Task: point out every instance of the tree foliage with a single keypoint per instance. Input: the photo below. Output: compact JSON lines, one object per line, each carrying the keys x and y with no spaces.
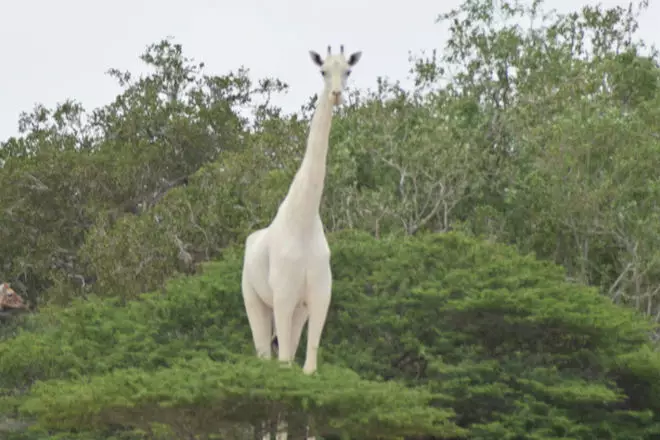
{"x":440,"y":335}
{"x":531,"y":129}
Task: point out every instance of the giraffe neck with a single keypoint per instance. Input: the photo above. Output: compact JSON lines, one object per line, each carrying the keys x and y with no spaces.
{"x":303,"y":201}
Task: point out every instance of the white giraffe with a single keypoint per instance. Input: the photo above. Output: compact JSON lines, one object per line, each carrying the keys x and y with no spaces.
{"x":286,"y":268}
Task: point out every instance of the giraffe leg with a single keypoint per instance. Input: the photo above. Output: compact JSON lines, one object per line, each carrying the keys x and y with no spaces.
{"x":260,"y":319}
{"x":300,"y":315}
{"x":287,"y":287}
{"x":318,"y":298}
{"x":283,"y":316}
{"x":298,"y":320}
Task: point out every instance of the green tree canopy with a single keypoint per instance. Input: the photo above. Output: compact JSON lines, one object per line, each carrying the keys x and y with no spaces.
{"x":446,"y":336}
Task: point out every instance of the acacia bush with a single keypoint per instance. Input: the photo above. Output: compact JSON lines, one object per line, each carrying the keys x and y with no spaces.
{"x":446,"y":336}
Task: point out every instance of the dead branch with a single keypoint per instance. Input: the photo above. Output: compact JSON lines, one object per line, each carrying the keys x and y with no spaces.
{"x":184,"y":255}
{"x":38,"y":184}
{"x":616,"y":283}
{"x":146,"y":201}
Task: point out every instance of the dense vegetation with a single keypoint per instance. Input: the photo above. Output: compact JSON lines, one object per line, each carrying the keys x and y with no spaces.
{"x":449,"y":206}
{"x":446,"y":336}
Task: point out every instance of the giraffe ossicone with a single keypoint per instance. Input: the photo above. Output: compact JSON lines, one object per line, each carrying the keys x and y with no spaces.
{"x":286,"y":279}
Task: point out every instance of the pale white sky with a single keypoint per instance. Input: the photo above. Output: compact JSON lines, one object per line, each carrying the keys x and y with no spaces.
{"x":54,"y":50}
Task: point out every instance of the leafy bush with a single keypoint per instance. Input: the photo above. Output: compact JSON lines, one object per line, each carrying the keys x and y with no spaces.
{"x":443,"y":333}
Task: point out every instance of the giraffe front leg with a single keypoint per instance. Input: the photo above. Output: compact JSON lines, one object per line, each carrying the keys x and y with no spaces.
{"x":318,"y":295}
{"x":286,"y":282}
{"x":298,"y":320}
{"x":300,"y":315}
{"x":287,"y":287}
{"x":283,"y":316}
{"x":260,"y":318}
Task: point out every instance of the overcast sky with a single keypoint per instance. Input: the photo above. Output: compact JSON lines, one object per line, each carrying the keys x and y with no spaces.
{"x":58,"y":49}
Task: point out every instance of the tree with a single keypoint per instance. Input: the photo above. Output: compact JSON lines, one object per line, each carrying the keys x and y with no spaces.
{"x":561,"y":116}
{"x":498,"y":344}
{"x":72,"y":172}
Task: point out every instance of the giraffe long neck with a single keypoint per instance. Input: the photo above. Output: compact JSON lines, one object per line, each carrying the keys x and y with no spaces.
{"x":303,"y":201}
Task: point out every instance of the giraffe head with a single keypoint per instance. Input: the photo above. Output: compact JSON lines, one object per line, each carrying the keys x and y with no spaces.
{"x":10,"y":299}
{"x":335,"y":70}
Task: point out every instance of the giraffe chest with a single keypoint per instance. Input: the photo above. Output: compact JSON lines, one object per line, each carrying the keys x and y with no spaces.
{"x":302,"y":252}
{"x":300,"y":245}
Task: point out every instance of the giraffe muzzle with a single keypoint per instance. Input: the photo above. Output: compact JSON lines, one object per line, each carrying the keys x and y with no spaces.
{"x":336,"y":97}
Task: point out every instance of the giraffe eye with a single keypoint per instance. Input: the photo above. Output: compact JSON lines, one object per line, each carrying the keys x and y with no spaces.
{"x":323,"y":73}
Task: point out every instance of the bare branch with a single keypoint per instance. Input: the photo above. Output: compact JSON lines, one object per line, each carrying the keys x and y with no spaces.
{"x":38,"y":184}
{"x":617,"y":281}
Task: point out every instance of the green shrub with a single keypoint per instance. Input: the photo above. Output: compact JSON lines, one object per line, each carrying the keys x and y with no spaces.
{"x":441,"y":332}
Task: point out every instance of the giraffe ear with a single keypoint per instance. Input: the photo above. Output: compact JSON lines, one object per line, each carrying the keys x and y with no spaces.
{"x":354,"y":58}
{"x":316,"y":58}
